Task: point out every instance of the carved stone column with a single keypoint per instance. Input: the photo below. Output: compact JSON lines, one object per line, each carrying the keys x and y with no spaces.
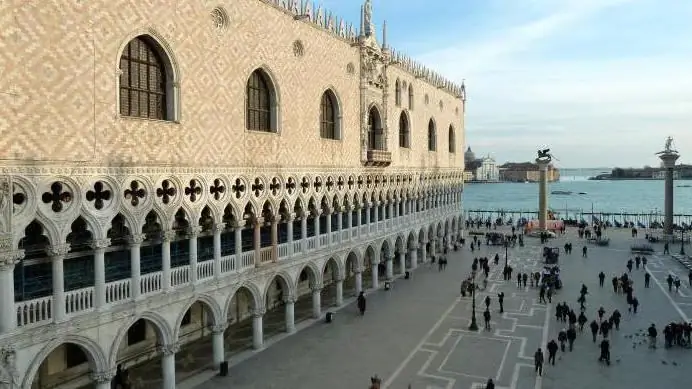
{"x":316,"y":301}
{"x":290,"y":315}
{"x":257,"y":330}
{"x":57,"y":255}
{"x":135,"y":241}
{"x":218,"y":229}
{"x":168,"y":365}
{"x":359,"y":280}
{"x":99,"y":247}
{"x":8,"y":314}
{"x":318,"y":213}
{"x":289,"y":231}
{"x":102,"y":380}
{"x":219,"y":352}
{"x":238,"y":239}
{"x":166,"y":239}
{"x":275,"y":237}
{"x":339,"y":292}
{"x":192,"y":234}
{"x":328,"y":219}
{"x":304,"y":231}
{"x":257,"y":240}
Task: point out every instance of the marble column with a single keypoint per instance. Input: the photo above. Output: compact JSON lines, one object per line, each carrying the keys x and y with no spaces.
{"x":99,"y":247}
{"x":257,"y":330}
{"x":414,"y":257}
{"x":102,"y":380}
{"x":339,"y":292}
{"x":328,"y":219}
{"x":218,"y":229}
{"x":375,"y":275}
{"x":167,"y":237}
{"x":542,"y":194}
{"x":340,"y":225}
{"x":238,"y":240}
{"x":218,"y":348}
{"x":168,"y":365}
{"x":290,"y":316}
{"x":402,"y":262}
{"x":359,"y":281}
{"x":57,"y":256}
{"x":275,"y":237}
{"x":257,"y":240}
{"x":390,"y":267}
{"x":349,"y":222}
{"x":289,"y":232}
{"x":8,"y":315}
{"x":317,"y":214}
{"x":668,"y":158}
{"x":304,"y":232}
{"x":192,"y":234}
{"x":316,"y":301}
{"x":424,"y":252}
{"x":367,"y":215}
{"x":135,"y":242}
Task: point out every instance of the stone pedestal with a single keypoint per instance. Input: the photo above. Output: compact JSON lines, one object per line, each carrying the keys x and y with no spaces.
{"x":668,"y":157}
{"x":542,"y":194}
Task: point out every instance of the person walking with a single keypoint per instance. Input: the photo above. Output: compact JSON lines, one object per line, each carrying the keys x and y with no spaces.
{"x":486,"y":317}
{"x":653,"y":333}
{"x":361,"y":303}
{"x":594,"y":329}
{"x":538,"y":361}
{"x":601,"y":279}
{"x":501,"y":301}
{"x":647,"y":280}
{"x":552,"y":351}
{"x":571,"y":337}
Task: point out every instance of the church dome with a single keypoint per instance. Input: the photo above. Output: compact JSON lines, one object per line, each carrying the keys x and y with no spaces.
{"x":469,"y":155}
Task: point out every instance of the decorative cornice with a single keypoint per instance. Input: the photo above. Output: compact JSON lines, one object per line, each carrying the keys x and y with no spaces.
{"x":303,"y":10}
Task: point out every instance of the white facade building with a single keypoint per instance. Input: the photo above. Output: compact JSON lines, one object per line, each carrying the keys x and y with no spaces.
{"x":488,"y":170}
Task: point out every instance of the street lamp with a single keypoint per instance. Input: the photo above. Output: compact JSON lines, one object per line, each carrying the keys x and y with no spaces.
{"x":474,"y":324}
{"x":682,"y":241}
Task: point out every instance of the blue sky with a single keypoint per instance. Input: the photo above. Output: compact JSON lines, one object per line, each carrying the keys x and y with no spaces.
{"x":601,"y":82}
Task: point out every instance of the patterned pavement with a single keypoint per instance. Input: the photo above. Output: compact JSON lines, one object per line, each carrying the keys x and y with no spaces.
{"x":417,"y":333}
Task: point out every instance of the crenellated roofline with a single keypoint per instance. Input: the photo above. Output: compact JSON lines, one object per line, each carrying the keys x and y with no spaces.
{"x":315,"y":14}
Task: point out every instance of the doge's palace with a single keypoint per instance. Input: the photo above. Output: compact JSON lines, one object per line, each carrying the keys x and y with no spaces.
{"x":182,"y":180}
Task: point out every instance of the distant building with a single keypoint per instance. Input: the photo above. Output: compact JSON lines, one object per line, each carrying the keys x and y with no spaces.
{"x":526,"y":172}
{"x":480,"y":169}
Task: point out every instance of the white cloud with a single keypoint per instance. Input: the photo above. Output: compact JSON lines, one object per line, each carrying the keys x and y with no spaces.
{"x":594,"y":110}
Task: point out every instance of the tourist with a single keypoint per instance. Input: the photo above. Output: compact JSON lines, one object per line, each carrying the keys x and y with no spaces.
{"x":670,"y":280}
{"x":583,"y":251}
{"x":541,"y":295}
{"x":689,"y":277}
{"x":538,"y":361}
{"x":501,"y":301}
{"x":571,"y":336}
{"x":594,"y":329}
{"x":524,"y":278}
{"x":615,"y":283}
{"x":490,"y":384}
{"x":647,"y":279}
{"x":582,"y":320}
{"x":635,"y":304}
{"x":652,"y":335}
{"x":637,"y":261}
{"x":644,"y":260}
{"x":552,"y":351}
{"x":562,"y":338}
{"x":601,"y":279}
{"x":486,"y":318}
{"x":549,"y":294}
{"x":665,"y":249}
{"x":616,"y":319}
{"x":629,"y":265}
{"x":487,"y":302}
{"x":601,"y":312}
{"x":677,"y":284}
{"x":605,"y":352}
{"x":519,"y":280}
{"x":361,"y":303}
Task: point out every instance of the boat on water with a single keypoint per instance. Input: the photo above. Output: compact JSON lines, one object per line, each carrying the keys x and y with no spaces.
{"x":561,"y":192}
{"x":582,"y":193}
{"x":684,"y":186}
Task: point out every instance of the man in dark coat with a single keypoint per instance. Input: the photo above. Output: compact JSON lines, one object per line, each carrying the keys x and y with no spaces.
{"x":538,"y":361}
{"x":594,"y":330}
{"x":571,"y":336}
{"x":552,"y":351}
{"x":361,"y":303}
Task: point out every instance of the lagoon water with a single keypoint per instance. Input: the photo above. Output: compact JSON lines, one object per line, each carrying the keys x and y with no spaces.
{"x":604,"y":196}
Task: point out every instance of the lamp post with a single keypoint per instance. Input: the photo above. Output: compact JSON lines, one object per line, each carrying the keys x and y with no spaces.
{"x":474,"y":324}
{"x":682,"y":241}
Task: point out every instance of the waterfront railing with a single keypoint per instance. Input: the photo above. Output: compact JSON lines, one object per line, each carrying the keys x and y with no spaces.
{"x":645,"y":219}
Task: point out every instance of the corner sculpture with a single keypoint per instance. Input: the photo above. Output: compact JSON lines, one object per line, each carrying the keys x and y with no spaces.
{"x":544,"y":156}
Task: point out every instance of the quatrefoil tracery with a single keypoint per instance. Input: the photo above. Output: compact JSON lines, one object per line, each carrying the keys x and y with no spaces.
{"x":238,"y":188}
{"x":318,"y":184}
{"x":275,"y":186}
{"x":290,"y":185}
{"x":257,"y":187}
{"x":340,"y":183}
{"x":305,"y":184}
{"x":135,"y":193}
{"x":351,"y":182}
{"x":166,"y":192}
{"x":193,"y":190}
{"x":330,"y":183}
{"x":57,"y":197}
{"x":99,"y":195}
{"x":217,"y":189}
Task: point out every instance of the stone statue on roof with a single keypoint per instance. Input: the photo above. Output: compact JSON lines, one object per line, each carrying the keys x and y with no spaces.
{"x":368,"y":24}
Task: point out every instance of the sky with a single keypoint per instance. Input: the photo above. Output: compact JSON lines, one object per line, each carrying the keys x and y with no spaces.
{"x":602,"y":83}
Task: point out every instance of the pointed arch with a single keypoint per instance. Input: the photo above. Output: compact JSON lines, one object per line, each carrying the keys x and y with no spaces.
{"x":432,"y":135}
{"x":410,"y":96}
{"x":147,"y":47}
{"x":252,"y":290}
{"x":452,"y":140}
{"x":159,"y":324}
{"x":262,"y":101}
{"x":330,"y":115}
{"x":208,"y":302}
{"x":404,"y":130}
{"x":397,"y":93}
{"x":375,"y":129}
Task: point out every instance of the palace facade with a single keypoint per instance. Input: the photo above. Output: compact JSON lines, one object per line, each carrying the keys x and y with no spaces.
{"x":185,"y":179}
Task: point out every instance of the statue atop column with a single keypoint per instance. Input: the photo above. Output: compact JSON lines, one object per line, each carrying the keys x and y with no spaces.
{"x":544,"y":156}
{"x":668,"y":148}
{"x":368,"y":25}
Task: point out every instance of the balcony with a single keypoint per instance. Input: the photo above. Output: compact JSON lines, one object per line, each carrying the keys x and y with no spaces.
{"x":379,"y":158}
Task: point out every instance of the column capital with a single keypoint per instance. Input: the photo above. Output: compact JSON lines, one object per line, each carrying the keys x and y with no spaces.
{"x":100,"y":244}
{"x":102,"y":377}
{"x":328,"y":210}
{"x":219,"y":227}
{"x":316,"y":288}
{"x":339,"y":279}
{"x":59,"y":250}
{"x":218,"y":328}
{"x":291,"y":300}
{"x":136,"y":239}
{"x":169,"y":349}
{"x":168,"y":236}
{"x":274,"y":219}
{"x":10,"y":258}
{"x":290,"y":216}
{"x":258,"y":313}
{"x":193,"y":231}
{"x":257,"y":222}
{"x":317,"y":212}
{"x":239,"y":223}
